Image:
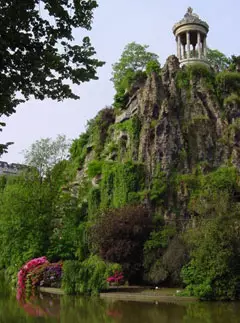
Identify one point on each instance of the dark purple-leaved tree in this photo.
(119, 236)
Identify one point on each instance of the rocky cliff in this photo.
(175, 122)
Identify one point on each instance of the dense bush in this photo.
(153, 66)
(232, 98)
(89, 276)
(186, 75)
(94, 168)
(213, 271)
(165, 253)
(119, 180)
(228, 81)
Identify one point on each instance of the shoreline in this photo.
(144, 296)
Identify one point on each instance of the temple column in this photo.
(199, 44)
(188, 44)
(179, 47)
(194, 50)
(205, 46)
(184, 51)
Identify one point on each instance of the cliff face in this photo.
(174, 122)
(180, 127)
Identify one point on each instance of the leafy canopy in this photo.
(135, 57)
(38, 54)
(45, 153)
(217, 59)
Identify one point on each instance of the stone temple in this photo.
(191, 37)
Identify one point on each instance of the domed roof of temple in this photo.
(190, 18)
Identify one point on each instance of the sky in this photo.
(117, 23)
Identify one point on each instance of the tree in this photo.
(218, 60)
(29, 218)
(119, 236)
(46, 153)
(25, 214)
(235, 63)
(135, 57)
(38, 55)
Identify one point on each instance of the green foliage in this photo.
(45, 153)
(93, 139)
(130, 80)
(213, 271)
(45, 55)
(153, 66)
(182, 79)
(232, 98)
(77, 148)
(134, 58)
(159, 185)
(3, 182)
(25, 214)
(99, 128)
(164, 256)
(68, 235)
(121, 99)
(88, 276)
(160, 239)
(234, 64)
(118, 181)
(94, 201)
(228, 82)
(132, 127)
(186, 75)
(217, 59)
(94, 168)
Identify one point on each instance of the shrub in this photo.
(190, 72)
(228, 81)
(213, 271)
(153, 66)
(94, 168)
(232, 98)
(89, 276)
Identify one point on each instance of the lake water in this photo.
(66, 309)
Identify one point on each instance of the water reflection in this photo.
(66, 309)
(52, 308)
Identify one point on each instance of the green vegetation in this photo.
(45, 153)
(135, 57)
(115, 205)
(232, 98)
(213, 272)
(47, 55)
(131, 70)
(186, 75)
(218, 60)
(87, 277)
(119, 180)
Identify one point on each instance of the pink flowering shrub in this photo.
(37, 272)
(23, 272)
(117, 278)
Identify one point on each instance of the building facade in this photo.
(11, 169)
